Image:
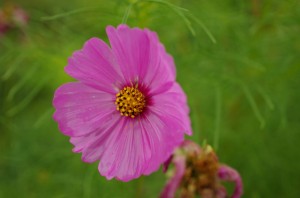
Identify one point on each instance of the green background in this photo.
(243, 91)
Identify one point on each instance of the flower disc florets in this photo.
(130, 102)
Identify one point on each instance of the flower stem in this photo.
(218, 117)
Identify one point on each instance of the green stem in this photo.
(126, 14)
(254, 106)
(218, 117)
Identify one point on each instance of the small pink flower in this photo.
(198, 172)
(20, 17)
(12, 16)
(127, 110)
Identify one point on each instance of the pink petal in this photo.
(191, 147)
(95, 66)
(172, 185)
(140, 146)
(138, 149)
(80, 109)
(227, 173)
(167, 163)
(141, 56)
(126, 157)
(165, 134)
(172, 105)
(93, 145)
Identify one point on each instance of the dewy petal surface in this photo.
(86, 111)
(80, 109)
(161, 141)
(93, 145)
(141, 56)
(140, 148)
(95, 66)
(172, 105)
(126, 158)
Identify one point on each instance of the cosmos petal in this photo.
(226, 173)
(173, 104)
(95, 66)
(133, 152)
(81, 109)
(80, 142)
(154, 139)
(174, 182)
(94, 144)
(191, 147)
(166, 134)
(141, 56)
(125, 158)
(167, 163)
(140, 148)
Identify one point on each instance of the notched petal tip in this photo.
(110, 176)
(189, 132)
(123, 26)
(111, 29)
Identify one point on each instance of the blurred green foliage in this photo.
(243, 91)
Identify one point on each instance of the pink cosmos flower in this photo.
(20, 17)
(12, 16)
(127, 110)
(198, 172)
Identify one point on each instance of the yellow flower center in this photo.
(130, 102)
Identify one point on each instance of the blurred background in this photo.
(238, 62)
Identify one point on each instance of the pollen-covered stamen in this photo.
(130, 102)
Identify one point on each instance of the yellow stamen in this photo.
(130, 102)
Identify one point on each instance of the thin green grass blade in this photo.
(20, 83)
(218, 116)
(66, 14)
(43, 118)
(5, 55)
(179, 11)
(195, 122)
(88, 178)
(253, 106)
(126, 14)
(204, 143)
(12, 67)
(20, 106)
(168, 4)
(266, 97)
(205, 29)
